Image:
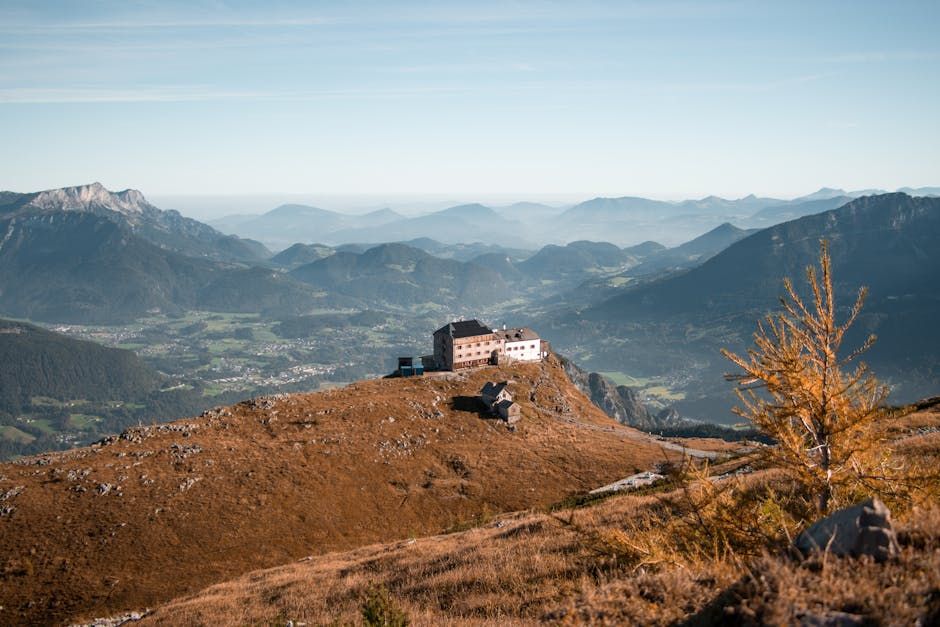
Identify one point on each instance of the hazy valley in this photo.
(239, 320)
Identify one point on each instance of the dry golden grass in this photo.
(776, 590)
(538, 567)
(203, 500)
(690, 555)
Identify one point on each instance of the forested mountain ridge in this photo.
(88, 255)
(886, 242)
(36, 362)
(397, 275)
(675, 327)
(56, 391)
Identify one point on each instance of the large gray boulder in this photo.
(863, 529)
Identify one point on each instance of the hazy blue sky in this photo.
(671, 99)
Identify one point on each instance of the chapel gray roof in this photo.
(521, 334)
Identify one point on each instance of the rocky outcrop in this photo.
(617, 401)
(91, 197)
(863, 529)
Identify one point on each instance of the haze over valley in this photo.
(222, 316)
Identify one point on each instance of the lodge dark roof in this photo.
(465, 328)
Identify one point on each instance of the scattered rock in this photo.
(639, 480)
(11, 493)
(33, 461)
(215, 412)
(77, 475)
(182, 451)
(863, 529)
(115, 621)
(263, 402)
(833, 619)
(746, 469)
(188, 483)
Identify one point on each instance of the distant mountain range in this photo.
(678, 323)
(130, 210)
(584, 269)
(886, 242)
(289, 224)
(396, 275)
(87, 255)
(623, 221)
(84, 254)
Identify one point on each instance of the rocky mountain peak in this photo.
(90, 197)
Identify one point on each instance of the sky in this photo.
(470, 99)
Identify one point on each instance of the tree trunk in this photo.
(825, 495)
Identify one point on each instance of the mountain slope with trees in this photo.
(57, 391)
(675, 326)
(401, 276)
(86, 255)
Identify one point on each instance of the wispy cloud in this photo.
(735, 86)
(438, 68)
(130, 24)
(77, 95)
(876, 56)
(197, 93)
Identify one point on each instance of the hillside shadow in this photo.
(471, 404)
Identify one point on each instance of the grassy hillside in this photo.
(166, 510)
(606, 563)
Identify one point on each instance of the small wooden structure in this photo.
(498, 401)
(493, 393)
(509, 411)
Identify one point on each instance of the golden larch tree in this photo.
(795, 388)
